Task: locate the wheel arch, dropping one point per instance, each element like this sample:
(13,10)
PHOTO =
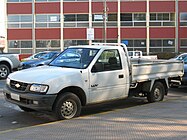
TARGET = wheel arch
(7,64)
(165,84)
(147,86)
(75,90)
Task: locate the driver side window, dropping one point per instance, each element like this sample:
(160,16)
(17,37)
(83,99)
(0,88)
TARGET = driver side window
(109,60)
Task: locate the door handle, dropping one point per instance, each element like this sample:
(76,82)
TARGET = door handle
(121,76)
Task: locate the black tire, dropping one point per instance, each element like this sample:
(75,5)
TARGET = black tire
(67,106)
(157,93)
(4,71)
(26,109)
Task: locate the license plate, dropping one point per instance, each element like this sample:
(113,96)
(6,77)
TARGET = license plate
(15,96)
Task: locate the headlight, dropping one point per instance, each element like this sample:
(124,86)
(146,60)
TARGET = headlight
(39,88)
(8,81)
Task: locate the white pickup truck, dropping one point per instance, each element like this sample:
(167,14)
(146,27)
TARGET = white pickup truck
(83,75)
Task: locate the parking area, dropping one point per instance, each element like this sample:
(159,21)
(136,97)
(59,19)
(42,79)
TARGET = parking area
(139,120)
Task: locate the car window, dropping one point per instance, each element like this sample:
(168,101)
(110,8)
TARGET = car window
(48,55)
(181,57)
(39,55)
(108,60)
(185,60)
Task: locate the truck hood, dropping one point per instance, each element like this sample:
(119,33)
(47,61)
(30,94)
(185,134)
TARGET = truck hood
(42,74)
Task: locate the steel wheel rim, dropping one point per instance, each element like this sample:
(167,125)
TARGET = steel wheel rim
(3,72)
(68,109)
(157,94)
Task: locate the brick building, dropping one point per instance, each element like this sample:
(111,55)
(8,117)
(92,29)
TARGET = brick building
(147,25)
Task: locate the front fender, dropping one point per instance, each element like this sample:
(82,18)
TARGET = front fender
(75,80)
(6,60)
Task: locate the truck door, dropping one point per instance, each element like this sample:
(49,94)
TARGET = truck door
(107,78)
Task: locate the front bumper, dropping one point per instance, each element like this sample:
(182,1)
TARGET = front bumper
(34,101)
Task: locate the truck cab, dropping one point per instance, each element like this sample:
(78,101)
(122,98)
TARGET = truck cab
(83,75)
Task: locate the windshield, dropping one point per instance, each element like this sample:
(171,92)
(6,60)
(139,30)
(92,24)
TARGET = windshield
(185,60)
(181,57)
(49,55)
(75,58)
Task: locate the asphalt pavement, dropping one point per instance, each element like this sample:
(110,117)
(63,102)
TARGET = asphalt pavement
(157,121)
(2,84)
(129,119)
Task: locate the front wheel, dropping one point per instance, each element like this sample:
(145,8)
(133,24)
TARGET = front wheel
(157,93)
(4,71)
(67,106)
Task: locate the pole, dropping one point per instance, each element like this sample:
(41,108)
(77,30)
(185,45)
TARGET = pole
(33,28)
(147,27)
(176,26)
(6,26)
(104,19)
(61,26)
(119,23)
(90,18)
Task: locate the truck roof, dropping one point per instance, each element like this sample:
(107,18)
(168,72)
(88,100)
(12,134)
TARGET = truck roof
(100,46)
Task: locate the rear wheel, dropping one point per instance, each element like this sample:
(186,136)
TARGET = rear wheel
(4,71)
(67,106)
(157,93)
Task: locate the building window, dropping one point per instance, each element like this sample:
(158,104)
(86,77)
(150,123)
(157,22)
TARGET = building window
(76,0)
(19,21)
(139,43)
(126,17)
(112,17)
(19,46)
(48,21)
(82,17)
(139,17)
(76,20)
(19,0)
(48,44)
(162,45)
(155,43)
(46,0)
(183,19)
(68,43)
(98,21)
(133,19)
(162,19)
(136,44)
(68,18)
(183,43)
(107,41)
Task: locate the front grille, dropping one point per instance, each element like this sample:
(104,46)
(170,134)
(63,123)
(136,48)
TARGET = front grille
(18,85)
